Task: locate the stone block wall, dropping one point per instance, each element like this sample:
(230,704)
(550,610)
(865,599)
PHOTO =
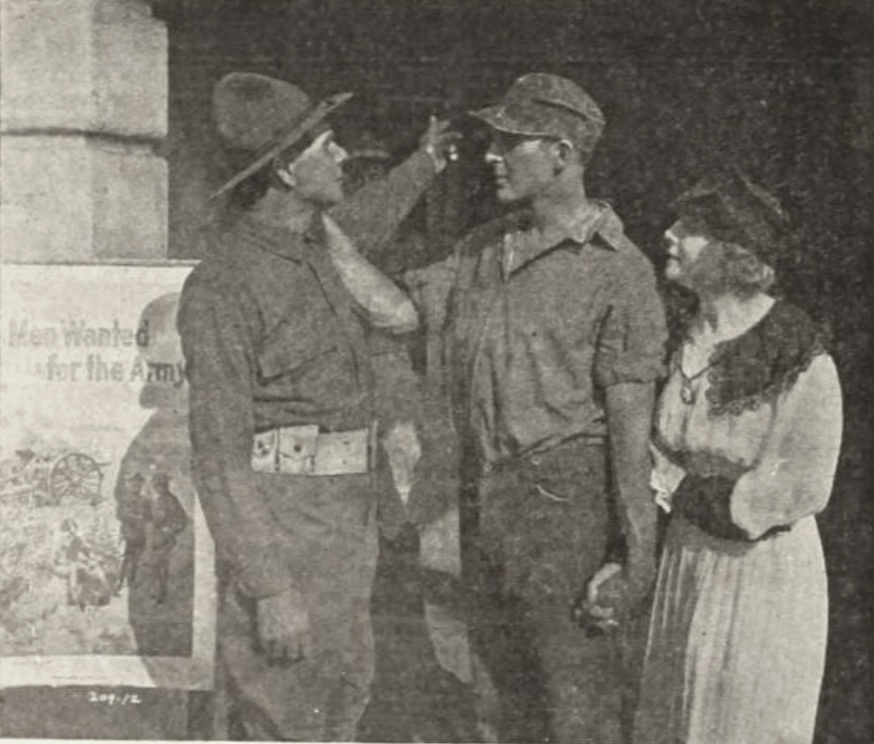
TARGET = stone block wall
(83,102)
(83,109)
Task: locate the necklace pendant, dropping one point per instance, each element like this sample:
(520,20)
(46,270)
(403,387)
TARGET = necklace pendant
(687,392)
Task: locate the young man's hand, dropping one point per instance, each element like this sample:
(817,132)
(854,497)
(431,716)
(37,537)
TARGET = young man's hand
(440,142)
(404,451)
(612,596)
(596,608)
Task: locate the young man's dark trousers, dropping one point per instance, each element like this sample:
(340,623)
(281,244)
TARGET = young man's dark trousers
(543,530)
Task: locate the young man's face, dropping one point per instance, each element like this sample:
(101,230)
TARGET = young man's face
(523,166)
(317,171)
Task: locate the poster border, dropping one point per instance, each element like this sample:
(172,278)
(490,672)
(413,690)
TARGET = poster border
(194,672)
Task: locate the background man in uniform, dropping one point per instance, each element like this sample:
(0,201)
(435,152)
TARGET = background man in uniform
(427,695)
(555,334)
(282,418)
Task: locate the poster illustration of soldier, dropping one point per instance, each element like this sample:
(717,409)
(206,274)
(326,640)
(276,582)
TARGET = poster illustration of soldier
(106,572)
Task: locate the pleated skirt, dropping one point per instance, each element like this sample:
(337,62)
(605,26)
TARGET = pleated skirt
(737,639)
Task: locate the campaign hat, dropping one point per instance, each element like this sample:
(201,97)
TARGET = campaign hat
(259,117)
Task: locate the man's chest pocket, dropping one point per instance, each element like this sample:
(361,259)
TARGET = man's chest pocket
(295,345)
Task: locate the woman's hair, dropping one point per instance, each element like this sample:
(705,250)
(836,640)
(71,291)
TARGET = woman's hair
(732,268)
(740,272)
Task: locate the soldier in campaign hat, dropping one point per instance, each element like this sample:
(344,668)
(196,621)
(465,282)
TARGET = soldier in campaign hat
(555,332)
(273,325)
(368,160)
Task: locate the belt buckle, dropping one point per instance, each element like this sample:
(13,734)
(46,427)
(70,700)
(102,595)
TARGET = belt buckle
(343,453)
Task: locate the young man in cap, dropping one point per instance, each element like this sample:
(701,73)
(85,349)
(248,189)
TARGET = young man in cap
(555,334)
(282,414)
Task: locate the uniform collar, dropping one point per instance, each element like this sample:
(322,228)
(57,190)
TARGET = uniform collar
(279,240)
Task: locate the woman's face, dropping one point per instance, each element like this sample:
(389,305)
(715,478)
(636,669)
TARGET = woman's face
(691,259)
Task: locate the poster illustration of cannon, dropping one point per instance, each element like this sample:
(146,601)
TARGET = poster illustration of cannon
(106,565)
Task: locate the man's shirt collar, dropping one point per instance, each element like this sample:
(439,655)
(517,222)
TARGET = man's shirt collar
(277,239)
(595,223)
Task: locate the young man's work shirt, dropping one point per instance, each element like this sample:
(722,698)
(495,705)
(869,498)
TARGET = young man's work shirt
(540,325)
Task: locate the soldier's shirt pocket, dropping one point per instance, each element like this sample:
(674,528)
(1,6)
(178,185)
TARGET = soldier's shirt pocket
(293,345)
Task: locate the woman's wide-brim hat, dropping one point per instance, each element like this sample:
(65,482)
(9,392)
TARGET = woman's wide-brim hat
(728,206)
(262,116)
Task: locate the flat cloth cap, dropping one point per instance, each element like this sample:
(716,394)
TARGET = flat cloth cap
(543,105)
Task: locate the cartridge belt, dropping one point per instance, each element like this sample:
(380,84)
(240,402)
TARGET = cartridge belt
(305,450)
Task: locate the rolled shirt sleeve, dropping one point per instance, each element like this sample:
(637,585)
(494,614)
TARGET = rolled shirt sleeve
(631,343)
(216,337)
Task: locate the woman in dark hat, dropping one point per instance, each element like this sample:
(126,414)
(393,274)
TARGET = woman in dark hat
(746,442)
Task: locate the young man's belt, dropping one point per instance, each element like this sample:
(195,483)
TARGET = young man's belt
(535,458)
(304,450)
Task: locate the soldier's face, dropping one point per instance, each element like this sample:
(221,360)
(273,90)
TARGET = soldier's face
(524,167)
(317,171)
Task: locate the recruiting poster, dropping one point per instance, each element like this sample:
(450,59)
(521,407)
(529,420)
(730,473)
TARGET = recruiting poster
(106,565)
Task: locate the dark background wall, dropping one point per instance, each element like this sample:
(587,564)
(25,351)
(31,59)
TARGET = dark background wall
(782,88)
